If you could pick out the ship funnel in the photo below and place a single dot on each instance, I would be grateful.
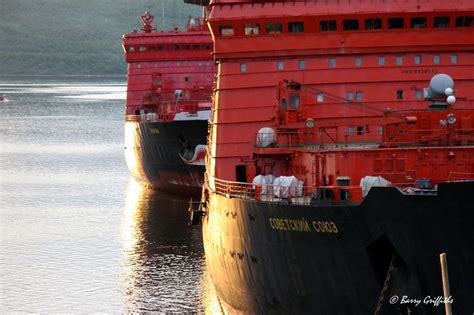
(440, 91)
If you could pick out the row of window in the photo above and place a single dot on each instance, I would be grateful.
(357, 96)
(171, 64)
(399, 60)
(351, 25)
(151, 48)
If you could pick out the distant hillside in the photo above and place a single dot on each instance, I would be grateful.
(69, 37)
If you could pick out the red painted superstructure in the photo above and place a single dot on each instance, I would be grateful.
(170, 80)
(168, 72)
(353, 59)
(335, 176)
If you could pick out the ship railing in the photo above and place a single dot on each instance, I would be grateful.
(293, 139)
(266, 193)
(132, 118)
(456, 176)
(150, 117)
(430, 137)
(296, 195)
(329, 139)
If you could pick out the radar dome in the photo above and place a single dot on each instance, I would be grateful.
(438, 85)
(451, 99)
(265, 137)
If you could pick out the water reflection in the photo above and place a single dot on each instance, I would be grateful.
(164, 267)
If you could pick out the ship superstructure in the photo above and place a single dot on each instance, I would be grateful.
(341, 155)
(170, 79)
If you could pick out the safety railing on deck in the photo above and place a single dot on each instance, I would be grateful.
(267, 193)
(340, 139)
(429, 137)
(151, 117)
(461, 176)
(297, 195)
(293, 139)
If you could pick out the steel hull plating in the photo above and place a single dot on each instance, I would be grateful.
(280, 258)
(153, 149)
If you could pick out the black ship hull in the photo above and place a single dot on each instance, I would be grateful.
(380, 255)
(160, 154)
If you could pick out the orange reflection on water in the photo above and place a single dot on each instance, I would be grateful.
(163, 269)
(129, 231)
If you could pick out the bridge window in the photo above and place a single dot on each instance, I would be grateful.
(295, 27)
(358, 61)
(325, 26)
(381, 61)
(301, 64)
(441, 21)
(142, 48)
(207, 46)
(283, 104)
(372, 24)
(161, 47)
(359, 96)
(280, 65)
(350, 25)
(417, 59)
(295, 102)
(274, 28)
(243, 67)
(454, 59)
(226, 30)
(328, 194)
(196, 47)
(332, 62)
(419, 22)
(399, 95)
(175, 47)
(436, 59)
(395, 23)
(350, 96)
(399, 60)
(131, 49)
(252, 28)
(464, 21)
(345, 194)
(186, 47)
(419, 94)
(319, 98)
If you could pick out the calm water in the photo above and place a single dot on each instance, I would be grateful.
(77, 234)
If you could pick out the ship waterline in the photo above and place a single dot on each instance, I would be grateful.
(279, 258)
(156, 154)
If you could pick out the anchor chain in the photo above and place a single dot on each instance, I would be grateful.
(386, 284)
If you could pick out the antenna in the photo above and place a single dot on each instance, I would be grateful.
(163, 13)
